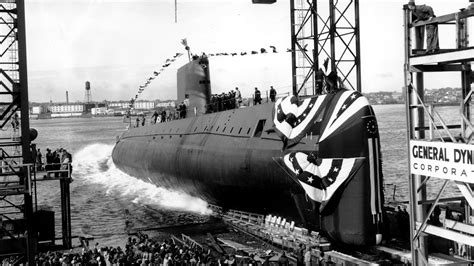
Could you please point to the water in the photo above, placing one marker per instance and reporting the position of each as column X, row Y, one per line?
column 108, row 204
column 105, row 202
column 393, row 138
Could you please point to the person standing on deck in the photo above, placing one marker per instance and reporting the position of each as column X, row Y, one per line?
column 154, row 117
column 165, row 115
column 238, row 97
column 49, row 159
column 33, row 154
column 257, row 97
column 39, row 160
column 182, row 110
column 186, row 101
column 69, row 157
column 273, row 94
column 426, row 13
column 56, row 162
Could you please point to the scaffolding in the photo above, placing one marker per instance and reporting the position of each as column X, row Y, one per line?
column 16, row 193
column 322, row 31
column 452, row 140
column 22, row 225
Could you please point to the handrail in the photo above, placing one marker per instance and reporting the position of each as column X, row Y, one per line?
column 24, row 180
column 445, row 18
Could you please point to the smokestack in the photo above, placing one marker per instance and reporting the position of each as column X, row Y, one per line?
column 67, row 97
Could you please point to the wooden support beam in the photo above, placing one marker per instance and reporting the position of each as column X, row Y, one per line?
column 438, row 68
column 419, row 52
column 467, row 192
column 214, row 244
column 191, row 242
column 439, row 127
column 463, row 55
column 448, row 234
column 458, row 226
column 450, row 199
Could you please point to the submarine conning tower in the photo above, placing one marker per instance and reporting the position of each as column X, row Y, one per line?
column 194, row 81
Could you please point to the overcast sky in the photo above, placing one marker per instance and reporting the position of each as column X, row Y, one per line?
column 117, row 44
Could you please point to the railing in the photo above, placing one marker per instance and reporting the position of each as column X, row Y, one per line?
column 59, row 170
column 275, row 229
column 16, row 181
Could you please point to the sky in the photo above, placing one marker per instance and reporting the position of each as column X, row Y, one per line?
column 117, row 44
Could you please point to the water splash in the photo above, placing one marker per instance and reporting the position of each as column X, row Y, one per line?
column 94, row 164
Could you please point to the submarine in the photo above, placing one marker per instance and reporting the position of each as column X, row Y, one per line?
column 315, row 159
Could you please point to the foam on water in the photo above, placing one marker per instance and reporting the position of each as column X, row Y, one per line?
column 94, row 164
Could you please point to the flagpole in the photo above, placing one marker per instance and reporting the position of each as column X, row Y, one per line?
column 175, row 11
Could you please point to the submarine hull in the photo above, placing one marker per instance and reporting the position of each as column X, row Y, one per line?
column 221, row 157
column 229, row 159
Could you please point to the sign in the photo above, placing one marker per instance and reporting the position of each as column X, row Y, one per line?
column 447, row 160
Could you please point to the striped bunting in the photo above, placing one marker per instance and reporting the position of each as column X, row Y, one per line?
column 292, row 120
column 320, row 178
column 375, row 171
column 348, row 104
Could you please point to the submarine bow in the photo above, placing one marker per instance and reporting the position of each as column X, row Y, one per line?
column 343, row 175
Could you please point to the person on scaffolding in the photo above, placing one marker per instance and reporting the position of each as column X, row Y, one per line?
column 426, row 13
column 15, row 122
column 331, row 81
column 320, row 76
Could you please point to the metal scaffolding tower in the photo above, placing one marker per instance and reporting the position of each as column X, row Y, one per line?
column 16, row 191
column 21, row 227
column 452, row 140
column 321, row 31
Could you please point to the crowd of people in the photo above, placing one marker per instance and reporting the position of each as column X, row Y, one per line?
column 218, row 102
column 142, row 250
column 233, row 99
column 225, row 101
column 139, row 250
column 164, row 114
column 57, row 160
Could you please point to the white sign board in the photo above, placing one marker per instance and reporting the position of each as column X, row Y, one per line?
column 454, row 161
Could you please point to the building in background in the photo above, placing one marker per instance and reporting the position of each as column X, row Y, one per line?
column 67, row 108
column 36, row 110
column 117, row 105
column 144, row 105
column 79, row 109
column 166, row 104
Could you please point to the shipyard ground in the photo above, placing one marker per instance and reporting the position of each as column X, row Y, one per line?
column 239, row 234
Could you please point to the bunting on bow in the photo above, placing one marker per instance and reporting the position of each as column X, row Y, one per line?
column 375, row 171
column 292, row 119
column 320, row 178
column 347, row 105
